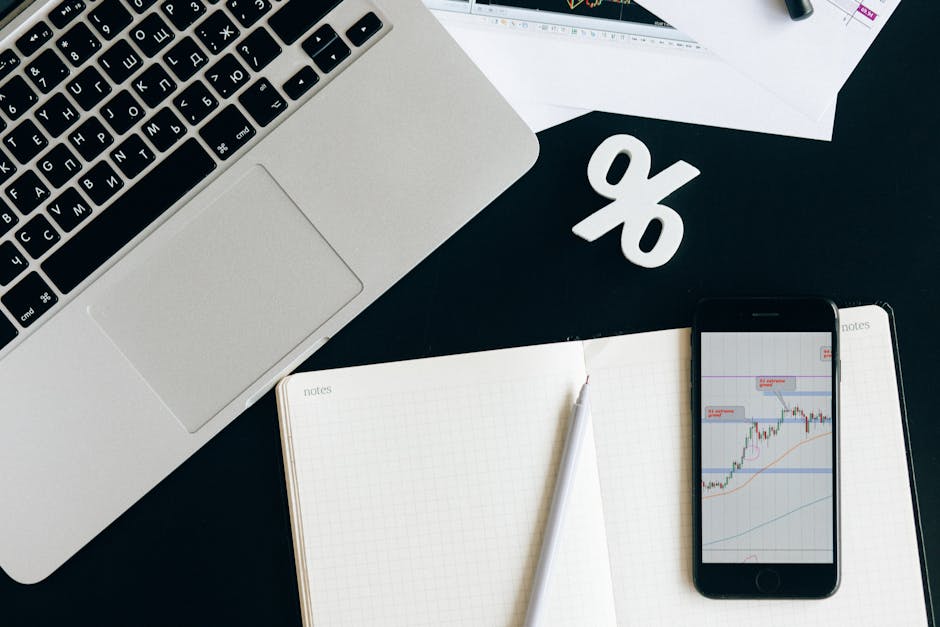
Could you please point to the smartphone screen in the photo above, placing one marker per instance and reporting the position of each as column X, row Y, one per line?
column 766, row 449
column 766, row 445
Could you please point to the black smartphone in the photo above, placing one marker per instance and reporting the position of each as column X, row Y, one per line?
column 765, row 448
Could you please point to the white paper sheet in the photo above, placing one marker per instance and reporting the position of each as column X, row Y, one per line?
column 684, row 86
column 805, row 62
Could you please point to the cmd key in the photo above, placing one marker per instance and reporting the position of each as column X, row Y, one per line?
column 29, row 299
column 227, row 132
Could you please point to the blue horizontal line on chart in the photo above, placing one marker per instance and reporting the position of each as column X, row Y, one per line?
column 770, row 471
column 725, row 421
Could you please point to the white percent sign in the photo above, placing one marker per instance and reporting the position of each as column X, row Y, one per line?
column 636, row 201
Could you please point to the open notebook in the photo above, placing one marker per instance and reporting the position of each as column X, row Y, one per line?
column 418, row 490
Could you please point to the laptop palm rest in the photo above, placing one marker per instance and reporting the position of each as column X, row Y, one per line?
column 240, row 287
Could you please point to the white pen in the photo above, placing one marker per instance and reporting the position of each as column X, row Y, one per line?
column 580, row 415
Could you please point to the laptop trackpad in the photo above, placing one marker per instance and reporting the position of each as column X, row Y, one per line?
column 240, row 287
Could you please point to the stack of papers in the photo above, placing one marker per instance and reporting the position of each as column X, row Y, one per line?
column 724, row 63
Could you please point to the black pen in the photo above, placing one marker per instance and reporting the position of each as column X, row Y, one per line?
column 799, row 9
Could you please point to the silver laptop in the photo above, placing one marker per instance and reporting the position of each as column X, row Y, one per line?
column 195, row 196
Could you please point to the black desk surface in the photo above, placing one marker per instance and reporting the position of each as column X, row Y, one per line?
column 857, row 219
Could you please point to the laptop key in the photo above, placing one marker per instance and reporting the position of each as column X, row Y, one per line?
column 131, row 213
column 227, row 76
column 27, row 192
column 140, row 6
column 109, row 18
column 258, row 49
column 33, row 39
column 59, row 165
column 12, row 263
column 296, row 17
column 185, row 58
column 8, row 219
column 37, row 236
column 132, row 156
column 78, row 44
column 90, row 138
column 88, row 88
column 227, row 132
column 56, row 115
column 164, row 129
column 152, row 35
column 216, row 32
column 319, row 40
column 25, row 141
column 360, row 32
column 7, row 170
column 47, row 71
column 120, row 61
column 154, row 85
column 8, row 62
column 195, row 103
column 8, row 332
column 65, row 12
column 101, row 183
column 247, row 12
column 29, row 299
column 16, row 97
column 263, row 102
column 69, row 210
column 301, row 82
column 183, row 13
column 122, row 112
column 331, row 56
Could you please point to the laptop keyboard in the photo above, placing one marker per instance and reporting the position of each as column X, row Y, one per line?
column 111, row 111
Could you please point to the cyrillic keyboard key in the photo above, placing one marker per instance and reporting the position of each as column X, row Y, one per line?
column 132, row 156
column 296, row 17
column 164, row 129
column 59, row 165
column 152, row 35
column 301, row 82
column 109, row 18
column 154, row 85
column 90, row 138
column 183, row 13
column 216, row 32
column 37, row 236
column 131, row 213
column 25, row 141
column 227, row 132
column 101, row 183
column 7, row 169
column 8, row 219
column 185, row 58
column 227, row 76
column 8, row 332
column 47, row 71
column 122, row 112
column 88, row 88
column 29, row 299
column 56, row 115
column 78, row 44
column 69, row 210
column 120, row 61
column 27, row 192
column 247, row 12
column 360, row 32
column 195, row 103
column 12, row 263
column 16, row 97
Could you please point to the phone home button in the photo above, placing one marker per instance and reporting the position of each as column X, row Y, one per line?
column 767, row 581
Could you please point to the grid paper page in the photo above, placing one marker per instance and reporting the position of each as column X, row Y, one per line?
column 423, row 488
column 640, row 404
